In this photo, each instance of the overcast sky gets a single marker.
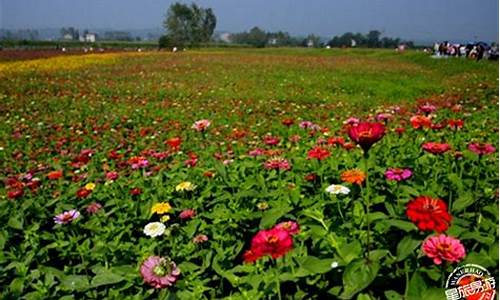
(409, 19)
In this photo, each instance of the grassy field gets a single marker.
(107, 124)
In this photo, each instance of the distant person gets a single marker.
(493, 52)
(480, 52)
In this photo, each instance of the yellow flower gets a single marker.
(161, 208)
(165, 218)
(185, 186)
(90, 186)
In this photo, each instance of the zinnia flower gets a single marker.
(481, 149)
(137, 162)
(271, 140)
(201, 125)
(277, 163)
(337, 189)
(112, 175)
(455, 124)
(290, 226)
(427, 108)
(397, 174)
(159, 272)
(275, 242)
(429, 214)
(154, 229)
(67, 217)
(15, 193)
(187, 214)
(174, 142)
(93, 207)
(318, 153)
(354, 176)
(54, 175)
(436, 148)
(443, 247)
(185, 186)
(200, 239)
(419, 121)
(366, 134)
(161, 208)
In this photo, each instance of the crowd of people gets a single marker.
(475, 51)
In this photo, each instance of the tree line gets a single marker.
(192, 25)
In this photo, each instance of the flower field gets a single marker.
(246, 174)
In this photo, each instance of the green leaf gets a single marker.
(406, 247)
(106, 278)
(75, 283)
(270, 217)
(313, 265)
(349, 252)
(462, 203)
(17, 285)
(403, 225)
(358, 275)
(392, 295)
(416, 287)
(434, 294)
(15, 222)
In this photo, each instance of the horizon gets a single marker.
(425, 21)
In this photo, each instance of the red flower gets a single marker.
(366, 134)
(14, 194)
(438, 126)
(318, 153)
(187, 214)
(436, 148)
(174, 142)
(54, 175)
(419, 122)
(275, 242)
(311, 177)
(455, 124)
(135, 191)
(287, 122)
(271, 140)
(429, 214)
(336, 140)
(400, 130)
(83, 193)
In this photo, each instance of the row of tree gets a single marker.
(191, 25)
(21, 34)
(372, 39)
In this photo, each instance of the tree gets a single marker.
(189, 25)
(373, 39)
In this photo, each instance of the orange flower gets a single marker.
(354, 176)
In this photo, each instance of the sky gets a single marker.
(408, 19)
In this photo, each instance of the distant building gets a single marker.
(67, 37)
(353, 43)
(88, 37)
(273, 41)
(310, 43)
(225, 37)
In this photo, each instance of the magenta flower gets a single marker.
(112, 175)
(481, 149)
(201, 125)
(277, 163)
(256, 152)
(442, 247)
(397, 174)
(159, 272)
(67, 217)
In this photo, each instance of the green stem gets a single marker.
(366, 156)
(278, 285)
(338, 208)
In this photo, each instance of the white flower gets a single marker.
(154, 229)
(337, 189)
(334, 264)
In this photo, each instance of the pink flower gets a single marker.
(481, 149)
(256, 152)
(442, 247)
(112, 175)
(384, 117)
(201, 125)
(159, 272)
(271, 140)
(187, 214)
(290, 226)
(351, 121)
(66, 217)
(427, 108)
(93, 207)
(397, 174)
(138, 162)
(200, 239)
(277, 163)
